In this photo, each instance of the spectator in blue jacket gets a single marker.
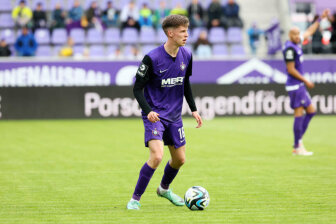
(26, 44)
(231, 13)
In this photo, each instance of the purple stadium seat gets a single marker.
(161, 37)
(6, 5)
(234, 35)
(44, 51)
(112, 36)
(129, 36)
(219, 50)
(56, 50)
(59, 36)
(173, 3)
(147, 48)
(217, 35)
(94, 36)
(111, 51)
(78, 49)
(237, 50)
(8, 35)
(97, 51)
(78, 35)
(53, 3)
(42, 36)
(6, 20)
(195, 34)
(147, 35)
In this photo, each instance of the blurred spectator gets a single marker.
(254, 34)
(132, 53)
(39, 17)
(74, 17)
(130, 16)
(67, 50)
(160, 14)
(195, 13)
(22, 15)
(110, 15)
(93, 15)
(58, 17)
(332, 20)
(26, 44)
(317, 38)
(215, 15)
(231, 12)
(145, 18)
(179, 10)
(4, 49)
(116, 54)
(202, 46)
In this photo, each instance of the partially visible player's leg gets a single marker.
(297, 127)
(146, 172)
(310, 112)
(170, 172)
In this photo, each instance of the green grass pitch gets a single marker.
(84, 171)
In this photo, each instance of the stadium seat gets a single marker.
(94, 36)
(147, 35)
(78, 35)
(112, 36)
(173, 3)
(6, 20)
(53, 3)
(145, 49)
(195, 34)
(237, 50)
(111, 51)
(44, 51)
(234, 35)
(219, 50)
(97, 51)
(8, 35)
(217, 35)
(129, 36)
(161, 37)
(78, 50)
(42, 36)
(6, 5)
(59, 36)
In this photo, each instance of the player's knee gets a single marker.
(180, 161)
(157, 158)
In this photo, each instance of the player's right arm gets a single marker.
(290, 56)
(143, 75)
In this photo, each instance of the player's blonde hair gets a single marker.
(174, 21)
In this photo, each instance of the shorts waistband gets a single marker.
(294, 87)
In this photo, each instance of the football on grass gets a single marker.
(197, 198)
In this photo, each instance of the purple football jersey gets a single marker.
(293, 52)
(165, 90)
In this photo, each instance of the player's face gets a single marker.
(180, 35)
(294, 36)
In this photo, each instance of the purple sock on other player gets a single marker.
(305, 122)
(297, 130)
(168, 176)
(145, 175)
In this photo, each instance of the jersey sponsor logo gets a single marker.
(182, 66)
(170, 82)
(162, 71)
(289, 55)
(142, 70)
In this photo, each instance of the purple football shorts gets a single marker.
(170, 133)
(299, 98)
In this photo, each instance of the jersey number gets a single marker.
(181, 131)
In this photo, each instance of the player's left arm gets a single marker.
(189, 96)
(312, 28)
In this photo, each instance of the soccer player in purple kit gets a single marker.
(162, 80)
(296, 84)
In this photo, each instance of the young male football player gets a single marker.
(296, 84)
(162, 80)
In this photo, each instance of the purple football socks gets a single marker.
(297, 130)
(145, 175)
(168, 176)
(305, 123)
